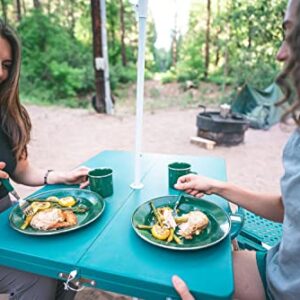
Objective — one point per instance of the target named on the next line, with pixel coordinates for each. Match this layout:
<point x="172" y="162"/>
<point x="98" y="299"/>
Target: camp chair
<point x="258" y="233"/>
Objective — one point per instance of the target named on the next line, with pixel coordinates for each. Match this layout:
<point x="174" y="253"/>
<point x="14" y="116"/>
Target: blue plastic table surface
<point x="121" y="261"/>
<point x="50" y="255"/>
<point x="109" y="252"/>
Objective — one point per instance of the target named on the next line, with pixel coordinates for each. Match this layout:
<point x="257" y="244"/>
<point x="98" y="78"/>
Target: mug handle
<point x="237" y="222"/>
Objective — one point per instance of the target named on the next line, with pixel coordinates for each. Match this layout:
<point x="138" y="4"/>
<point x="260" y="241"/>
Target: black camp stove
<point x="229" y="130"/>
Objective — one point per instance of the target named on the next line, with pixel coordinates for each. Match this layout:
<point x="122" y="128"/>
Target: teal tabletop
<point x="120" y="261"/>
<point x="50" y="255"/>
<point x="109" y="252"/>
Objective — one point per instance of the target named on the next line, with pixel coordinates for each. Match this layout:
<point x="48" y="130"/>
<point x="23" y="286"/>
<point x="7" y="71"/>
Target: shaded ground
<point x="63" y="138"/>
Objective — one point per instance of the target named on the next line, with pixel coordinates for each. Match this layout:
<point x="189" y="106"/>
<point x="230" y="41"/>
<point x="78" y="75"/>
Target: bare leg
<point x="248" y="284"/>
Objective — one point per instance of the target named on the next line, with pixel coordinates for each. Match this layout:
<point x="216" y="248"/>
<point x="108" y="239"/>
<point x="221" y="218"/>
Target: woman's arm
<point x="26" y="174"/>
<point x="266" y="205"/>
<point x="269" y="206"/>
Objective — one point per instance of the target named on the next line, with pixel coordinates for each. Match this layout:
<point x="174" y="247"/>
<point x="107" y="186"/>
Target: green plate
<point x="92" y="200"/>
<point x="217" y="229"/>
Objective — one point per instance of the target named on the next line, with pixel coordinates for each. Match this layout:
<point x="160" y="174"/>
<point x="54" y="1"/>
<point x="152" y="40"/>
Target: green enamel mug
<point x="176" y="170"/>
<point x="101" y="181"/>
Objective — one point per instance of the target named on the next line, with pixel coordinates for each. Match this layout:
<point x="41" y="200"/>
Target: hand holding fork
<point x="24" y="205"/>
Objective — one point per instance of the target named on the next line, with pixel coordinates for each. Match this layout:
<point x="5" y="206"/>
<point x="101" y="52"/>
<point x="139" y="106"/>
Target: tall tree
<point x="71" y="16"/>
<point x="207" y="38"/>
<point x="219" y="30"/>
<point x="123" y="46"/>
<point x="49" y="6"/>
<point x="18" y="10"/>
<point x="174" y="41"/>
<point x="24" y="7"/>
<point x="113" y="28"/>
<point x="99" y="99"/>
<point x="4" y="10"/>
<point x="37" y="4"/>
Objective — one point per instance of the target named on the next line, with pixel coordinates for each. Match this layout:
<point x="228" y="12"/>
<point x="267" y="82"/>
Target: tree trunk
<point x="122" y="23"/>
<point x="207" y="38"/>
<point x="18" y="10"/>
<point x="71" y="17"/>
<point x="249" y="34"/>
<point x="174" y="38"/>
<point x="218" y="35"/>
<point x="112" y="32"/>
<point x="24" y="7"/>
<point x="3" y="4"/>
<point x="99" y="99"/>
<point x="49" y="7"/>
<point x="36" y="4"/>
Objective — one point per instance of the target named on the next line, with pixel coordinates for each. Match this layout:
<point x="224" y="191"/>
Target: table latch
<point x="85" y="281"/>
<point x="78" y="282"/>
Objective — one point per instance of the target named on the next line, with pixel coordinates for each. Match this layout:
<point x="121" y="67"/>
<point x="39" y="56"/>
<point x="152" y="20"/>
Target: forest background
<point x="228" y="43"/>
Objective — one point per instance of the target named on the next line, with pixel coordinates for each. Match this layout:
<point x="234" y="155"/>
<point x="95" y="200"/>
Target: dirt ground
<point x="62" y="138"/>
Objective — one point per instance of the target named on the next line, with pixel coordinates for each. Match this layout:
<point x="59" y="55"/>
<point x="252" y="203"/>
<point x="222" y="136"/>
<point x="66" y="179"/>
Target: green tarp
<point x="259" y="105"/>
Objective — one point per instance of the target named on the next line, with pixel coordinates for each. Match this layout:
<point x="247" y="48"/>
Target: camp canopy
<point x="259" y="105"/>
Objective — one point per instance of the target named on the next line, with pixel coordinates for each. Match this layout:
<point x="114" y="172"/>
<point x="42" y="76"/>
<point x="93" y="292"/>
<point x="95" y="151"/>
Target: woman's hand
<point x="3" y="174"/>
<point x="76" y="176"/>
<point x="181" y="288"/>
<point x="197" y="185"/>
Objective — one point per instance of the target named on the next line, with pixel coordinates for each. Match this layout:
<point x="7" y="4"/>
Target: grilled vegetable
<point x="177" y="239"/>
<point x="67" y="201"/>
<point x="26" y="222"/>
<point x="159" y="232"/>
<point x="171" y="236"/>
<point x="156" y="214"/>
<point x="79" y="209"/>
<point x="40" y="205"/>
<point x="141" y="226"/>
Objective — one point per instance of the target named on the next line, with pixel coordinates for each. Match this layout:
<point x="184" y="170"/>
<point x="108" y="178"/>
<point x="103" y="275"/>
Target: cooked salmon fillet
<point x="53" y="218"/>
<point x="197" y="221"/>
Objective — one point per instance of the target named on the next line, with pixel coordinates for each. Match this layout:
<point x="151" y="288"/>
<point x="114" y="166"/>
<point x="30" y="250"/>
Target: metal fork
<point x="24" y="205"/>
<point x="180" y="196"/>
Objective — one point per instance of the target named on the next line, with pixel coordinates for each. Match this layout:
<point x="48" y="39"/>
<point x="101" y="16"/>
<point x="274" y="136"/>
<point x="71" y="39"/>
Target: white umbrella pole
<point x="142" y="13"/>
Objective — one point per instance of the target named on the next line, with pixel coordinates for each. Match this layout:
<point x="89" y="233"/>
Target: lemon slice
<point x="52" y="199"/>
<point x="160" y="233"/>
<point x="40" y="205"/>
<point x="67" y="201"/>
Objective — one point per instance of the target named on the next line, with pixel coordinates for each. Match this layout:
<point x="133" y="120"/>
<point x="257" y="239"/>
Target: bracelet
<point x="46" y="176"/>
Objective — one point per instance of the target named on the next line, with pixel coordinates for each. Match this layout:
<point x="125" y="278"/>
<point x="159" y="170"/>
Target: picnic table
<point x="108" y="254"/>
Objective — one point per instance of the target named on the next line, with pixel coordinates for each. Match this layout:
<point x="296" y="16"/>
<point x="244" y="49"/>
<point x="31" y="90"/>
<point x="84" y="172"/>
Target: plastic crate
<point x="258" y="233"/>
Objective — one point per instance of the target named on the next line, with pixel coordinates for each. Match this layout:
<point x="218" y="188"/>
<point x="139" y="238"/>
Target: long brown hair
<point x="292" y="71"/>
<point x="14" y="118"/>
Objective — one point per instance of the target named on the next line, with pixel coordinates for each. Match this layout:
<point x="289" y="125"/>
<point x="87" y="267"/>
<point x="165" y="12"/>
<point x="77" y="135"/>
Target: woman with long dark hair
<point x="275" y="274"/>
<point x="15" y="127"/>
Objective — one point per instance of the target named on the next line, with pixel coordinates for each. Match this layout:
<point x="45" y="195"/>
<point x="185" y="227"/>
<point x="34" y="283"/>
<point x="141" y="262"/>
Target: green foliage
<point x="162" y="60"/>
<point x="121" y="74"/>
<point x="244" y="38"/>
<point x="169" y="76"/>
<point x="55" y="65"/>
<point x="254" y="38"/>
<point x="58" y="53"/>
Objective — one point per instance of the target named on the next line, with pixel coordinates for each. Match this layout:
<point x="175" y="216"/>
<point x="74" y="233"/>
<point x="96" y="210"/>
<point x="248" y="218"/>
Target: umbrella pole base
<point x="137" y="185"/>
